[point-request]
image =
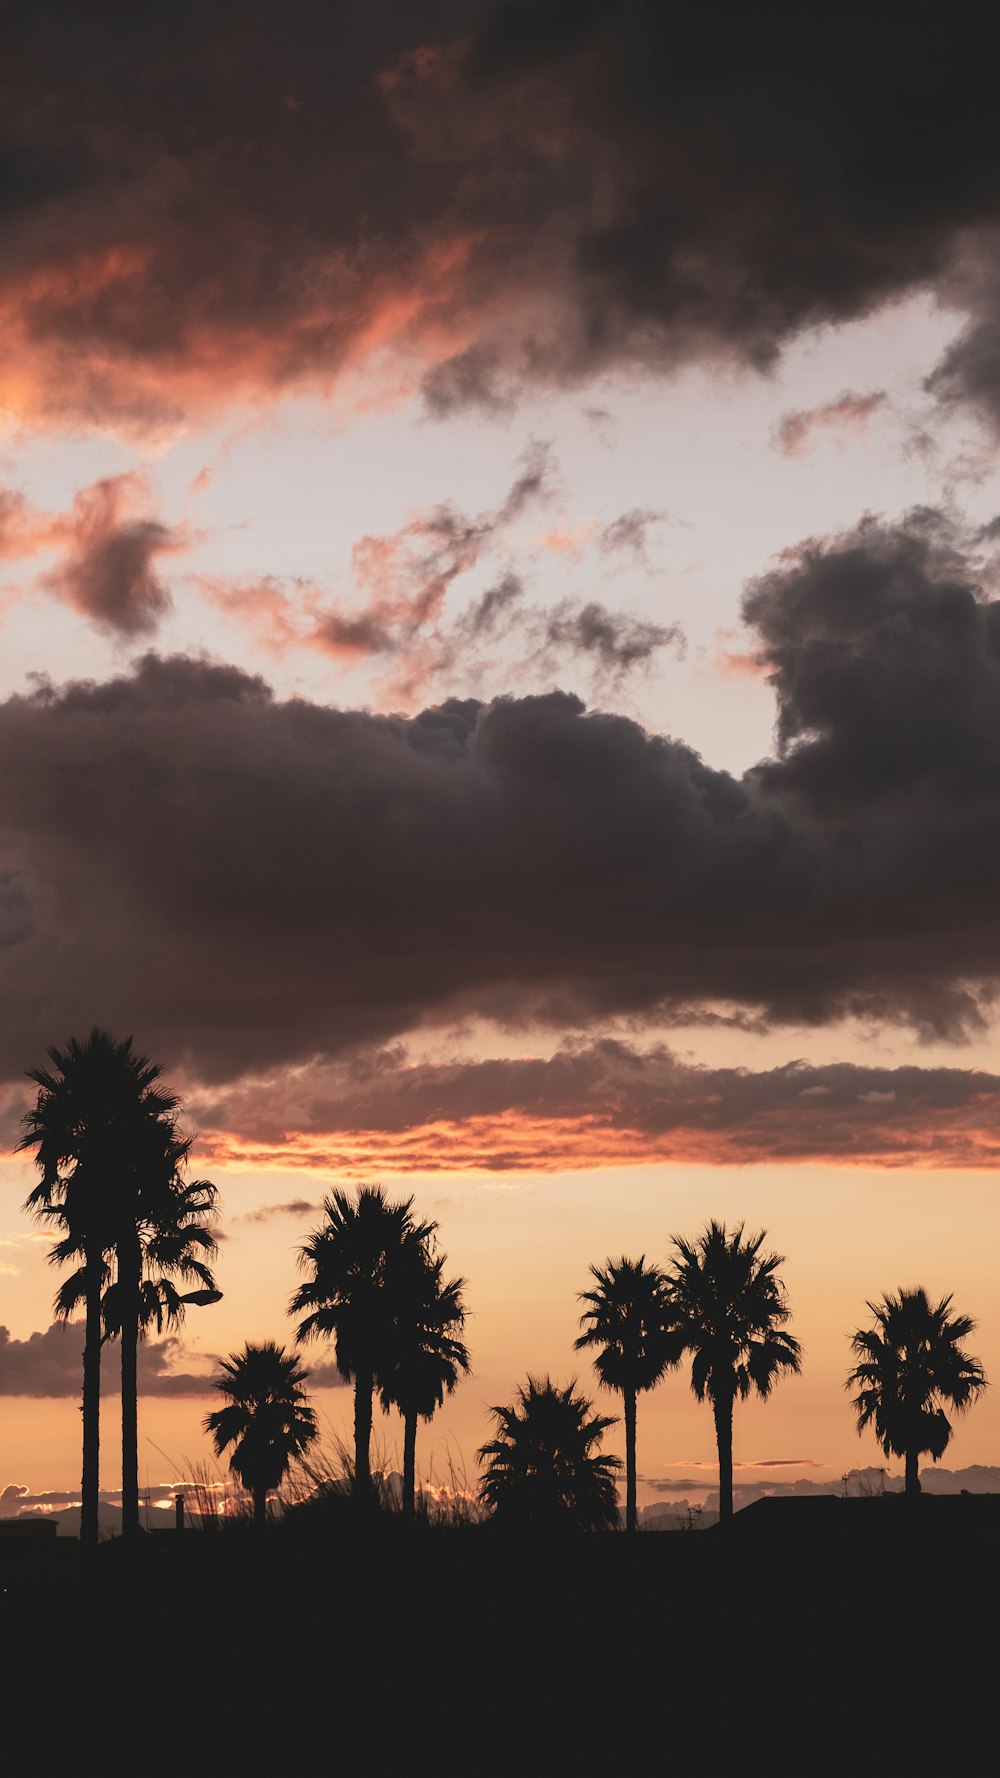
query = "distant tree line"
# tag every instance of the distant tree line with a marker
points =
(111, 1165)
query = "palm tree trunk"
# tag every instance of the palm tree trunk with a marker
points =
(363, 1386)
(409, 1465)
(913, 1472)
(90, 1481)
(130, 1264)
(631, 1513)
(260, 1505)
(722, 1409)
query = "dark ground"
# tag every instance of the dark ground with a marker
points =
(858, 1639)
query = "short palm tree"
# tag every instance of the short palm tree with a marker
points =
(267, 1420)
(628, 1321)
(428, 1353)
(911, 1366)
(352, 1261)
(729, 1311)
(541, 1470)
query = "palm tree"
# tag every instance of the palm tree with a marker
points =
(428, 1352)
(729, 1311)
(541, 1470)
(352, 1259)
(911, 1365)
(267, 1418)
(163, 1233)
(81, 1128)
(628, 1320)
(107, 1147)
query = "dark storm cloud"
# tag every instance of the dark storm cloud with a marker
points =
(204, 201)
(49, 1364)
(246, 882)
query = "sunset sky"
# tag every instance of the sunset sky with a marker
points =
(500, 670)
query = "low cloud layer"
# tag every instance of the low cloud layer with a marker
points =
(50, 1364)
(601, 1104)
(201, 206)
(247, 883)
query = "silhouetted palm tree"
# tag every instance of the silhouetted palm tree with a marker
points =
(163, 1233)
(82, 1129)
(541, 1470)
(353, 1261)
(729, 1309)
(628, 1320)
(267, 1418)
(911, 1365)
(428, 1354)
(107, 1147)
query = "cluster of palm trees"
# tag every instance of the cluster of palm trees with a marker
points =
(376, 1287)
(111, 1162)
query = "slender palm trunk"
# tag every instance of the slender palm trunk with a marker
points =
(363, 1386)
(913, 1472)
(90, 1481)
(130, 1270)
(631, 1513)
(410, 1464)
(722, 1409)
(260, 1505)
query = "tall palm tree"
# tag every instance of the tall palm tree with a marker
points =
(267, 1419)
(911, 1365)
(82, 1129)
(352, 1262)
(628, 1320)
(163, 1232)
(541, 1469)
(107, 1147)
(428, 1353)
(729, 1311)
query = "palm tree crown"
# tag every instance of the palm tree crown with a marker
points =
(267, 1419)
(730, 1310)
(911, 1365)
(541, 1469)
(628, 1321)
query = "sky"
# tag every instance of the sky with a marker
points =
(499, 666)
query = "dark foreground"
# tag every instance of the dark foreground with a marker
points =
(845, 1643)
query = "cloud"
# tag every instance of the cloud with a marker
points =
(627, 534)
(294, 1207)
(249, 883)
(404, 579)
(797, 431)
(490, 198)
(107, 572)
(601, 1104)
(50, 1364)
